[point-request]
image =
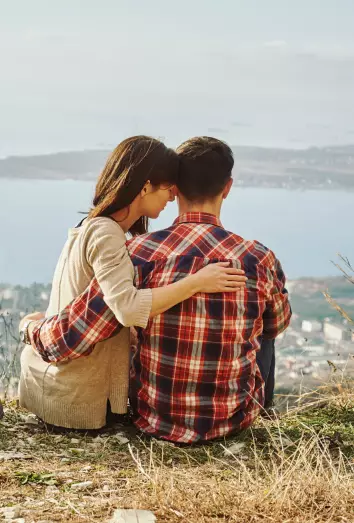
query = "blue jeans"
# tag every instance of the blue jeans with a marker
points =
(266, 364)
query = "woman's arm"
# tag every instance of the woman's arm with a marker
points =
(216, 277)
(107, 254)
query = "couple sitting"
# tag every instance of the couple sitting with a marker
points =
(207, 305)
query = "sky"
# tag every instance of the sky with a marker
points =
(84, 74)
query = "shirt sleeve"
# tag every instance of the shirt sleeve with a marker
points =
(75, 330)
(107, 254)
(277, 314)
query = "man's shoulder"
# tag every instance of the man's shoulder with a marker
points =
(148, 241)
(223, 243)
(255, 248)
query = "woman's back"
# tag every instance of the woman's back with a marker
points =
(75, 393)
(73, 273)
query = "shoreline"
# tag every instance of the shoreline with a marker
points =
(257, 183)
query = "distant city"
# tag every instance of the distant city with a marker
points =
(317, 343)
(312, 168)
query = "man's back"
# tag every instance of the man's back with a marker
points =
(195, 376)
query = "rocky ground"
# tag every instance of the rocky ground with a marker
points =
(295, 468)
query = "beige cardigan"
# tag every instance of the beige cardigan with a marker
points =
(74, 393)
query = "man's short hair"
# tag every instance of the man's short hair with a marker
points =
(205, 168)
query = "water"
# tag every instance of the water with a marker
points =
(305, 229)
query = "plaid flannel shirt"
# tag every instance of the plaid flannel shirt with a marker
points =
(77, 328)
(194, 376)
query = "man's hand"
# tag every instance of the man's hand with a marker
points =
(34, 316)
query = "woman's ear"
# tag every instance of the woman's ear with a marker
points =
(146, 189)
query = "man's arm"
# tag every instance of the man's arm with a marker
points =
(87, 320)
(277, 314)
(75, 330)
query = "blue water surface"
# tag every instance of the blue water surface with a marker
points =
(306, 229)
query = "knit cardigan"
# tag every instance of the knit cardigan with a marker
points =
(74, 393)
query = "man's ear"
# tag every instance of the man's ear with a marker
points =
(227, 188)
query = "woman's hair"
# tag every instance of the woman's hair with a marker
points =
(132, 163)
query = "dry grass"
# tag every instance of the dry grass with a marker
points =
(298, 468)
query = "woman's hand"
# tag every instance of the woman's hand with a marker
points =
(220, 277)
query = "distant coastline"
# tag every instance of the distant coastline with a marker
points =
(327, 168)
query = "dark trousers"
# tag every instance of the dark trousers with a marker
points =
(266, 364)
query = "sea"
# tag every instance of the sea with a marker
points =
(306, 229)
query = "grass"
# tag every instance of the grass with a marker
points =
(296, 468)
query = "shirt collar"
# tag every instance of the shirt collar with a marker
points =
(198, 217)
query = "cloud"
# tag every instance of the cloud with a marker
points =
(241, 124)
(318, 126)
(217, 130)
(275, 43)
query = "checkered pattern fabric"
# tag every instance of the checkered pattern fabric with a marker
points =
(76, 329)
(194, 376)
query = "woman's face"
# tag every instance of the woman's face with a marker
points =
(155, 199)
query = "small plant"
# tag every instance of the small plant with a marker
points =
(10, 347)
(34, 478)
(348, 271)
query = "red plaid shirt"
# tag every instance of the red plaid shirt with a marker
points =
(194, 376)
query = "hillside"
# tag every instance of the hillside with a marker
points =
(295, 468)
(315, 167)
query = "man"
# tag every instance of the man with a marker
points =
(195, 375)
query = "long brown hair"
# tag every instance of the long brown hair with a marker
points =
(132, 163)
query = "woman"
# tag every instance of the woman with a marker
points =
(135, 185)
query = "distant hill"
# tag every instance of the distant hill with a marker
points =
(315, 167)
(77, 165)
